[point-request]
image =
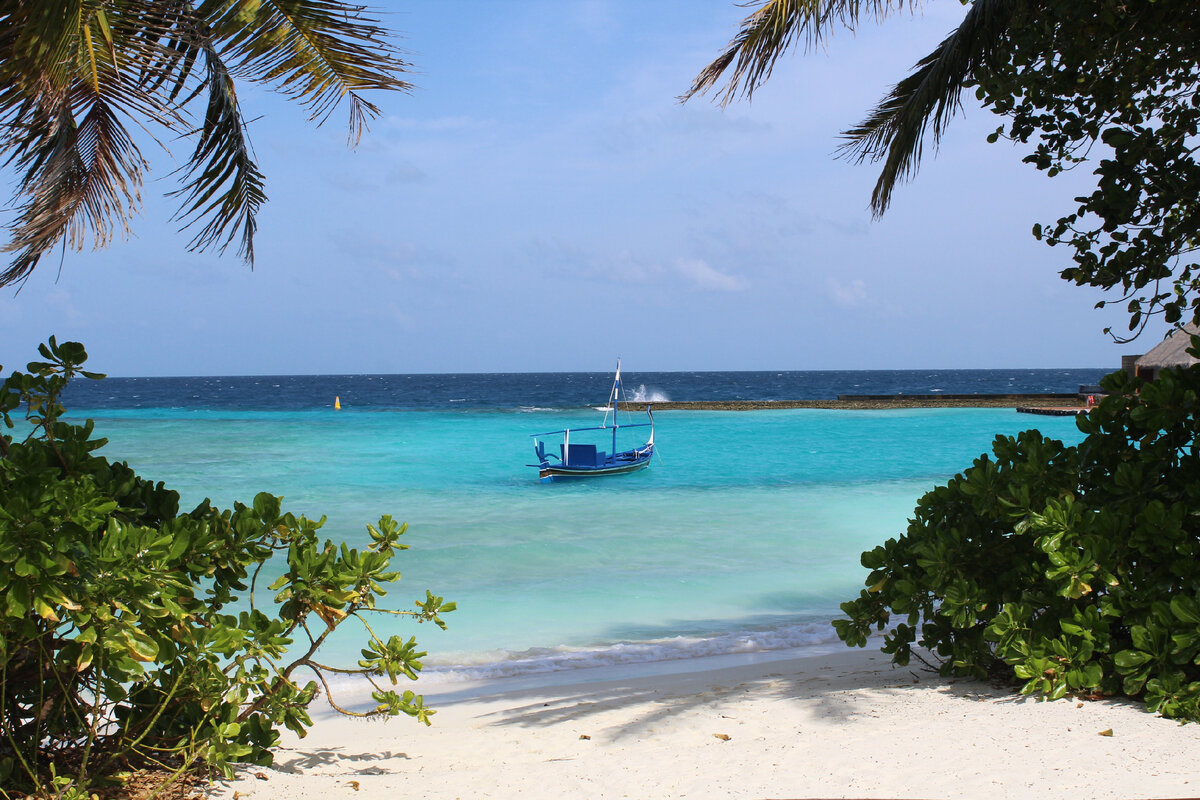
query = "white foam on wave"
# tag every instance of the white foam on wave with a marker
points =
(644, 395)
(464, 675)
(507, 664)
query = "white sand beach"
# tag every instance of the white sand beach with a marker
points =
(845, 725)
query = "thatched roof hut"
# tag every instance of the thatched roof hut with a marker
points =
(1170, 352)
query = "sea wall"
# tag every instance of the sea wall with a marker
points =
(858, 401)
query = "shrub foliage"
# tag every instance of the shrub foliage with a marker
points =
(133, 636)
(1111, 86)
(1074, 570)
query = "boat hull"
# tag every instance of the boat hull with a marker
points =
(619, 466)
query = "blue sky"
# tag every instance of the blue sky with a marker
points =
(541, 202)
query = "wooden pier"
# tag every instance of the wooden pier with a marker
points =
(1059, 411)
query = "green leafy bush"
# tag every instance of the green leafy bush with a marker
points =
(1110, 87)
(1075, 570)
(120, 645)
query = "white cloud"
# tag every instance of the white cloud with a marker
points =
(848, 295)
(705, 277)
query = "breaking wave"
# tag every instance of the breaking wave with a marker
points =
(643, 395)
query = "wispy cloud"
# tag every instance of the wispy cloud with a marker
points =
(405, 172)
(436, 124)
(400, 317)
(703, 276)
(852, 294)
(64, 304)
(596, 18)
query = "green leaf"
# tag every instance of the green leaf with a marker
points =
(141, 591)
(1186, 609)
(1131, 659)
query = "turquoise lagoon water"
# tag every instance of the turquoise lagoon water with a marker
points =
(743, 537)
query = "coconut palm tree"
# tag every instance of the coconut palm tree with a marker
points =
(78, 76)
(894, 131)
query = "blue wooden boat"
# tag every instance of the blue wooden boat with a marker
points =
(583, 459)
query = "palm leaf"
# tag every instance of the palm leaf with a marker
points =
(71, 71)
(87, 177)
(224, 188)
(894, 131)
(316, 51)
(60, 117)
(773, 29)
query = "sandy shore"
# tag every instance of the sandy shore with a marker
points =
(845, 725)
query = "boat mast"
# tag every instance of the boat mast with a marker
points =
(616, 392)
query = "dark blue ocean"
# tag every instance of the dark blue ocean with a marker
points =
(551, 390)
(743, 537)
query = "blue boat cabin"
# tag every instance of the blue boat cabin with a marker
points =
(582, 455)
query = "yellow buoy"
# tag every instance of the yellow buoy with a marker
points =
(337, 402)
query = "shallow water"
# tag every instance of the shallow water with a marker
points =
(744, 535)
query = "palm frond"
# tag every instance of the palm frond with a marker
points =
(224, 188)
(927, 99)
(772, 30)
(60, 122)
(39, 38)
(71, 71)
(169, 42)
(36, 60)
(86, 177)
(318, 52)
